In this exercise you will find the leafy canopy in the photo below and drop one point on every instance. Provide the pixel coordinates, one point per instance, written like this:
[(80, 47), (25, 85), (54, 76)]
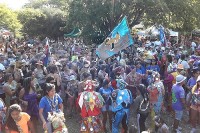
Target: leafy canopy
[(8, 20)]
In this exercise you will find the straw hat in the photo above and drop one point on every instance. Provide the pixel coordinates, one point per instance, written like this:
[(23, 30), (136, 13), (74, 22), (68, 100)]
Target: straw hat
[(180, 67)]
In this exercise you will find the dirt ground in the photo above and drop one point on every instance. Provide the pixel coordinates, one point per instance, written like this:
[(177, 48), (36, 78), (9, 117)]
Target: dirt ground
[(74, 125)]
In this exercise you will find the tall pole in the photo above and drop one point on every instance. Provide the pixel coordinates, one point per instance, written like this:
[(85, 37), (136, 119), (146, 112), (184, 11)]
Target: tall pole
[(112, 15)]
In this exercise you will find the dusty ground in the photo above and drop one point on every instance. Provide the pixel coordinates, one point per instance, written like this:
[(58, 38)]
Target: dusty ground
[(74, 126)]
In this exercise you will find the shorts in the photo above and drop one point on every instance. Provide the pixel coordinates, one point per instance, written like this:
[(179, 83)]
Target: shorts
[(195, 107), (178, 115)]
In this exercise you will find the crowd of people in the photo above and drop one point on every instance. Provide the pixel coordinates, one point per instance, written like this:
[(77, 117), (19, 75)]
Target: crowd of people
[(145, 80)]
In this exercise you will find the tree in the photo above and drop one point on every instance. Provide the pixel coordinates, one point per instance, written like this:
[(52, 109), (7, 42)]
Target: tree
[(33, 21), (48, 17), (176, 14), (8, 20), (54, 21), (43, 22), (37, 4), (98, 17)]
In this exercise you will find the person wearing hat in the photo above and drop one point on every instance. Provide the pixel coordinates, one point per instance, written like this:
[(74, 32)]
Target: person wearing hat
[(133, 79), (121, 102), (177, 72), (40, 72), (178, 101), (90, 103), (85, 68), (195, 105), (72, 92), (183, 61)]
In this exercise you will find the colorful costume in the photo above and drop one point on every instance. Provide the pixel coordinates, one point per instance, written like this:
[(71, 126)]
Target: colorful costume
[(58, 122), (156, 91), (90, 103), (121, 101)]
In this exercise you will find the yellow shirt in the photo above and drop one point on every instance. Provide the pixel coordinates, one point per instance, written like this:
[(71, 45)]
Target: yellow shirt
[(23, 123), (174, 74)]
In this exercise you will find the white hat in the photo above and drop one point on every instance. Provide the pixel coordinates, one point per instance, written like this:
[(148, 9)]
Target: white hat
[(30, 45), (72, 77), (122, 62), (58, 64), (163, 48), (198, 79), (2, 67), (180, 78)]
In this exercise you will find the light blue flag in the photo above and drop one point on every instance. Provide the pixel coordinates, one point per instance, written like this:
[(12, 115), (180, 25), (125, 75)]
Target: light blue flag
[(119, 39), (162, 36)]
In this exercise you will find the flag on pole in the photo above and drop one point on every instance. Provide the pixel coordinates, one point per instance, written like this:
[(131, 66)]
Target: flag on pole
[(46, 59), (162, 36), (119, 39)]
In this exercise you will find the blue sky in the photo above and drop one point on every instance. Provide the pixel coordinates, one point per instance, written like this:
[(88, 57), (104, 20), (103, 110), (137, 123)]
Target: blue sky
[(14, 4)]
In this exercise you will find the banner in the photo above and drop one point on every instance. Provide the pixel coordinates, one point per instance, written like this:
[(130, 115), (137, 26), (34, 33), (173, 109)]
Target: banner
[(46, 59), (162, 36), (119, 39)]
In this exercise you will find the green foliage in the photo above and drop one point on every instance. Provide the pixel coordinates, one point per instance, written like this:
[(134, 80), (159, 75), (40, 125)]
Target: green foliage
[(37, 4), (181, 15), (43, 22), (33, 21), (53, 22), (98, 17), (8, 20)]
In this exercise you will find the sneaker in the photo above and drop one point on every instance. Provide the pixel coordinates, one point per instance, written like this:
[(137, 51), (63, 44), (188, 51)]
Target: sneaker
[(179, 128), (178, 131), (193, 130)]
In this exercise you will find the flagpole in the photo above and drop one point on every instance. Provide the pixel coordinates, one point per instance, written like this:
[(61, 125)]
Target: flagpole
[(112, 16)]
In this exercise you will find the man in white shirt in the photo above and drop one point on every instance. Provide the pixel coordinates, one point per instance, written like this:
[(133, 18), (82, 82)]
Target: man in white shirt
[(193, 45), (2, 67)]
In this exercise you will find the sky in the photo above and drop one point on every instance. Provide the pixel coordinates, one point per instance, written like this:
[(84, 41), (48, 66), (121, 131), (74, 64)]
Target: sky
[(14, 4)]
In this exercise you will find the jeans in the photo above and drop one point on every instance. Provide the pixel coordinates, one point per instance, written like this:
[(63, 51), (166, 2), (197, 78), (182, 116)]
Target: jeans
[(178, 115), (120, 117), (49, 127)]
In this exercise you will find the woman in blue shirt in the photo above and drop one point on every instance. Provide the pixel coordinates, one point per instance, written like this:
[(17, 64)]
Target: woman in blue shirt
[(106, 91), (51, 102), (154, 66)]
